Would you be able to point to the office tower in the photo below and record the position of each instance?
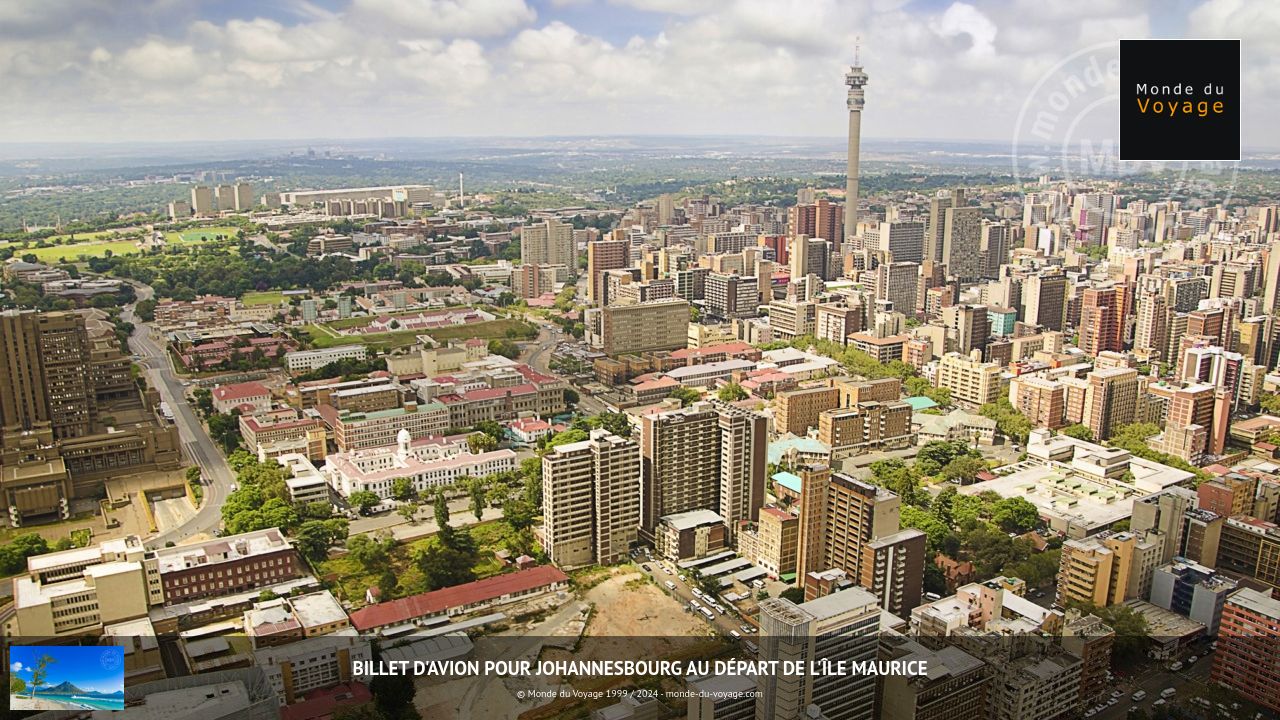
(179, 210)
(1211, 323)
(1189, 423)
(1111, 400)
(902, 239)
(643, 327)
(225, 196)
(604, 255)
(821, 219)
(898, 282)
(1150, 334)
(935, 234)
(841, 627)
(1044, 298)
(969, 326)
(995, 247)
(792, 318)
(799, 256)
(744, 441)
(709, 456)
(730, 296)
(856, 79)
(666, 209)
(202, 200)
(1101, 321)
(961, 243)
(1245, 660)
(972, 382)
(45, 374)
(815, 487)
(591, 500)
(548, 243)
(243, 197)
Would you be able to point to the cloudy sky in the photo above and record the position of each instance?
(96, 70)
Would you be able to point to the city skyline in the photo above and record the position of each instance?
(434, 68)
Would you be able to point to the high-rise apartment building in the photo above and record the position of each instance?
(44, 368)
(709, 456)
(1106, 569)
(202, 201)
(548, 243)
(935, 233)
(972, 382)
(591, 500)
(796, 411)
(968, 326)
(841, 627)
(865, 426)
(903, 240)
(602, 256)
(1245, 660)
(1111, 400)
(962, 241)
(1044, 298)
(821, 219)
(1101, 321)
(898, 282)
(1040, 400)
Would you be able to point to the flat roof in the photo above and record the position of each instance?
(220, 550)
(691, 519)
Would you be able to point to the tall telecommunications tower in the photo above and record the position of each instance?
(856, 79)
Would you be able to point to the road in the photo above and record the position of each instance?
(539, 358)
(198, 447)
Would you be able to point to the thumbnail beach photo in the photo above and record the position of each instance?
(66, 678)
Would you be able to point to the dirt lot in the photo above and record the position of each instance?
(629, 606)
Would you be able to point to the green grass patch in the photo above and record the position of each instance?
(87, 250)
(270, 297)
(199, 235)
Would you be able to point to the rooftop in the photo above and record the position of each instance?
(220, 550)
(691, 519)
(458, 596)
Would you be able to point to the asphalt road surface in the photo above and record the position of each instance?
(197, 446)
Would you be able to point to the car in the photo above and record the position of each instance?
(670, 585)
(1158, 702)
(697, 593)
(1112, 701)
(735, 633)
(646, 567)
(666, 569)
(745, 628)
(1191, 660)
(1117, 693)
(1139, 696)
(1168, 693)
(1176, 667)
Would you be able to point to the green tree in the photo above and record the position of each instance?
(490, 428)
(408, 511)
(371, 552)
(616, 423)
(934, 529)
(1078, 431)
(504, 347)
(447, 562)
(366, 500)
(193, 474)
(477, 491)
(402, 489)
(794, 594)
(731, 392)
(1016, 514)
(1270, 403)
(440, 508)
(686, 395)
(481, 443)
(518, 513)
(963, 469)
(16, 685)
(267, 596)
(40, 673)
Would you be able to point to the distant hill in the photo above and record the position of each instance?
(95, 693)
(62, 688)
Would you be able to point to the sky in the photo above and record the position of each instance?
(90, 668)
(209, 70)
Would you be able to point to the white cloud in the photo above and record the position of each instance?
(16, 667)
(164, 69)
(446, 18)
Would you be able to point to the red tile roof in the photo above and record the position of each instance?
(240, 391)
(439, 601)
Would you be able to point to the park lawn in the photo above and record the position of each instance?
(89, 250)
(199, 235)
(269, 297)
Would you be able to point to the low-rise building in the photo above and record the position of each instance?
(300, 361)
(461, 599)
(357, 430)
(428, 462)
(248, 397)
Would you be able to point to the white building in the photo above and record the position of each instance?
(427, 462)
(307, 484)
(305, 360)
(317, 662)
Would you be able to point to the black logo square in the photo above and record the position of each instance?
(1180, 99)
